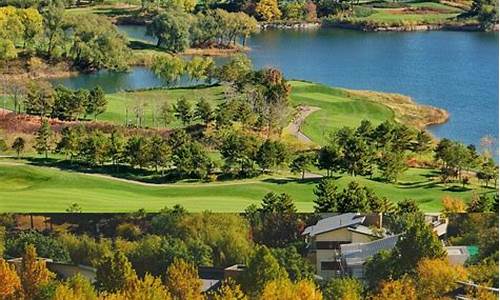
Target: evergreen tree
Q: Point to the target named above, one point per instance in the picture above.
(43, 140)
(18, 145)
(160, 152)
(326, 196)
(114, 272)
(183, 111)
(204, 111)
(97, 102)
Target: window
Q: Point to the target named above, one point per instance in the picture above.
(330, 244)
(330, 265)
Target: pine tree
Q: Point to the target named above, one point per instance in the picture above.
(43, 140)
(114, 273)
(326, 195)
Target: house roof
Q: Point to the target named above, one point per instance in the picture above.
(362, 229)
(334, 223)
(357, 253)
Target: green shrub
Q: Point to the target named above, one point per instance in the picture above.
(362, 11)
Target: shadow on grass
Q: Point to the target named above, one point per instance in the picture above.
(116, 11)
(117, 171)
(142, 45)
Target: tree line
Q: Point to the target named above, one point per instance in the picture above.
(90, 42)
(160, 253)
(176, 30)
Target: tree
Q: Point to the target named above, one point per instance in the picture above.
(53, 19)
(116, 146)
(183, 111)
(453, 205)
(169, 68)
(481, 204)
(302, 163)
(326, 195)
(343, 289)
(191, 160)
(392, 163)
(39, 99)
(114, 272)
(236, 71)
(76, 287)
(284, 289)
(437, 277)
(32, 23)
(401, 289)
(96, 43)
(295, 265)
(171, 28)
(229, 290)
(149, 287)
(276, 223)
(354, 198)
(137, 151)
(48, 247)
(10, 284)
(271, 154)
(379, 268)
(488, 171)
(182, 281)
(94, 148)
(199, 68)
(166, 113)
(262, 269)
(33, 273)
(18, 145)
(204, 111)
(416, 243)
(97, 102)
(160, 152)
(43, 140)
(268, 10)
(239, 150)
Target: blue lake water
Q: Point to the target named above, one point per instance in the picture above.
(457, 71)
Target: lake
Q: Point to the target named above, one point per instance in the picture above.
(457, 71)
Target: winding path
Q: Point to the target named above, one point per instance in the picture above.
(294, 127)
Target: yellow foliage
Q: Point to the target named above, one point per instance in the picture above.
(402, 289)
(229, 290)
(453, 205)
(436, 277)
(149, 288)
(284, 289)
(33, 273)
(9, 280)
(268, 10)
(182, 281)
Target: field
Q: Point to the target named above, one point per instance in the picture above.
(337, 109)
(25, 188)
(416, 13)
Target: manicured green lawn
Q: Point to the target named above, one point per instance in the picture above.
(121, 105)
(26, 188)
(337, 109)
(427, 13)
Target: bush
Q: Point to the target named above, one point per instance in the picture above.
(46, 246)
(362, 11)
(128, 231)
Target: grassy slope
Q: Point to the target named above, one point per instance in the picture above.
(44, 189)
(119, 102)
(337, 109)
(441, 14)
(27, 188)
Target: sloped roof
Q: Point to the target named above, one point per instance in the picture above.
(362, 229)
(334, 223)
(357, 253)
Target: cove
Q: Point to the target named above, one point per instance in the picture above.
(457, 71)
